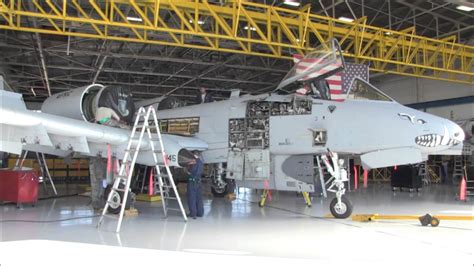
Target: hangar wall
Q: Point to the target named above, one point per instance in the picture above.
(418, 90)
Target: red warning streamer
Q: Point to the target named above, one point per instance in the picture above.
(150, 183)
(109, 160)
(356, 177)
(366, 175)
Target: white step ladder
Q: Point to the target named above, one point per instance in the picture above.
(123, 179)
(458, 169)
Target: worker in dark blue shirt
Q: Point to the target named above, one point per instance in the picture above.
(194, 192)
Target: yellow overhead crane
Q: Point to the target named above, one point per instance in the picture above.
(243, 27)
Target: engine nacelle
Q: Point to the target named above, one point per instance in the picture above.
(82, 103)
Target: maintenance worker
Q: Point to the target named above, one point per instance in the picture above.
(97, 173)
(107, 116)
(194, 192)
(203, 96)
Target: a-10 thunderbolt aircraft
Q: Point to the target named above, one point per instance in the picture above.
(265, 141)
(269, 141)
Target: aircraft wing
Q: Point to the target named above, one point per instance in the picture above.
(22, 129)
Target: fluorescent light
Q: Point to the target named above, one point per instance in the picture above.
(345, 19)
(388, 33)
(134, 19)
(292, 2)
(251, 28)
(465, 8)
(200, 22)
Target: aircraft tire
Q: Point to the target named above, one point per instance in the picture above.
(220, 193)
(434, 222)
(343, 213)
(117, 198)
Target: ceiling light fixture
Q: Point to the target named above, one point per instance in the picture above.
(200, 22)
(465, 8)
(251, 28)
(345, 19)
(292, 2)
(134, 19)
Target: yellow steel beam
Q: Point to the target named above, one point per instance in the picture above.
(278, 32)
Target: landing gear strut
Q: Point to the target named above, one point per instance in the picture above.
(340, 206)
(220, 186)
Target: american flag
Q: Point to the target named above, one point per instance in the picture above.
(340, 82)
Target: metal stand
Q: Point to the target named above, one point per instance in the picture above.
(45, 170)
(42, 165)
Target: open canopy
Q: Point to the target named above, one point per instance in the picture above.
(323, 61)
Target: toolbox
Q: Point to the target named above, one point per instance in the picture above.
(20, 186)
(406, 176)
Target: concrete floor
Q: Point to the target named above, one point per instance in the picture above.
(284, 229)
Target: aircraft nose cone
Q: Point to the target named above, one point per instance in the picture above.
(458, 133)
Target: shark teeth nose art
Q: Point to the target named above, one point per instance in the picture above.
(434, 140)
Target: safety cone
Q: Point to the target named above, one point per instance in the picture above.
(462, 189)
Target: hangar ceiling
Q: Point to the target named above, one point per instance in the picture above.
(36, 64)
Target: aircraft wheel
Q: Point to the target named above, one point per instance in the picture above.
(343, 211)
(114, 205)
(434, 222)
(219, 192)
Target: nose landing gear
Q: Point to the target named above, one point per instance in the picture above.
(340, 206)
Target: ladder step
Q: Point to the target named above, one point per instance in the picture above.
(111, 216)
(123, 177)
(171, 198)
(119, 189)
(164, 176)
(149, 126)
(173, 209)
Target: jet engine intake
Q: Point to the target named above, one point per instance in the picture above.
(82, 103)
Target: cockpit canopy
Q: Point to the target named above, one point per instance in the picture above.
(311, 73)
(323, 61)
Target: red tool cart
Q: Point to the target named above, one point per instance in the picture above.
(20, 186)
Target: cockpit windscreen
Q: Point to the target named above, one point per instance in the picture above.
(361, 90)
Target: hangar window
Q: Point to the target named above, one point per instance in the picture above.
(183, 126)
(361, 90)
